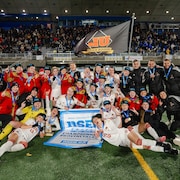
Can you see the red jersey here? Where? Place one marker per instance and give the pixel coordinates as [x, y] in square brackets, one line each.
[5, 102]
[20, 78]
[32, 80]
[134, 103]
[45, 86]
[80, 94]
[66, 81]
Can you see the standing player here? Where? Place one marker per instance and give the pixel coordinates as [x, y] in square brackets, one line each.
[153, 78]
[55, 85]
[137, 76]
[16, 76]
[171, 78]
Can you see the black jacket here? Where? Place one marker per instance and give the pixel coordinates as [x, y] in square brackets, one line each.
[172, 82]
[136, 79]
[155, 84]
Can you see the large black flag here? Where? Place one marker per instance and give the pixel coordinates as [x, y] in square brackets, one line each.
[105, 41]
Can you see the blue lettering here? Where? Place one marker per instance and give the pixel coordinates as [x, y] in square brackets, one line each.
[71, 124]
[80, 123]
[89, 124]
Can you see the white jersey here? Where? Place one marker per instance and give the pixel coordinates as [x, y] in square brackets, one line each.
[88, 78]
[93, 102]
[63, 102]
[55, 87]
[100, 88]
[111, 97]
[112, 116]
[113, 80]
[54, 122]
[49, 120]
[115, 136]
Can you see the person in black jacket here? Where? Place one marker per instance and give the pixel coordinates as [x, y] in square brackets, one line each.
[137, 76]
[125, 80]
[171, 78]
[130, 117]
[170, 104]
[154, 119]
[153, 78]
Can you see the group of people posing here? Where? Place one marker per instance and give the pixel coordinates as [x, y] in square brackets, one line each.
[130, 102]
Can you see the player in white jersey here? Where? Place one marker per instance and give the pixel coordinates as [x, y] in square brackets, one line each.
[109, 94]
[111, 112]
[68, 101]
[112, 78]
[93, 97]
[52, 116]
[21, 136]
[128, 137]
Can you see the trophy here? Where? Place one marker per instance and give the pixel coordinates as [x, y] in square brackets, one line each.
[48, 129]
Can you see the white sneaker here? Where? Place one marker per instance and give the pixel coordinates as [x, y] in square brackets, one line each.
[176, 141]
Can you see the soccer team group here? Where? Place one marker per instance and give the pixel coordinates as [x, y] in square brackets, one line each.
[131, 102]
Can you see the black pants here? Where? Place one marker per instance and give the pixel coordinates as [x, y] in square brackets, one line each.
[5, 119]
[163, 130]
[176, 123]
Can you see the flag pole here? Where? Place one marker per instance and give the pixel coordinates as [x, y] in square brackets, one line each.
[130, 39]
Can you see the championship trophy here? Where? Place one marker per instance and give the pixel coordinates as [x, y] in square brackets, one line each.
[48, 129]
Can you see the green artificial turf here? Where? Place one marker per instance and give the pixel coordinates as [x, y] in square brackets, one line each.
[108, 162]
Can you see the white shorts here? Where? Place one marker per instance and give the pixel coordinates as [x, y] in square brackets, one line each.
[21, 136]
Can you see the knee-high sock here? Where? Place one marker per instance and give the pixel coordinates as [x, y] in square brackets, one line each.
[5, 147]
[6, 131]
[148, 142]
[152, 132]
[17, 147]
[152, 148]
[157, 148]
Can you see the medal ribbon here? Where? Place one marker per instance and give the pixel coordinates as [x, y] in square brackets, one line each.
[152, 71]
[124, 80]
[68, 102]
[126, 114]
[51, 120]
[167, 74]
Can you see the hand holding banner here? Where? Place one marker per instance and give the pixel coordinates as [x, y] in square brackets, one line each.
[77, 131]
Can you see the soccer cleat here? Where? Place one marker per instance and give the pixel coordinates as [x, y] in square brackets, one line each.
[168, 149]
[176, 141]
[164, 144]
[174, 151]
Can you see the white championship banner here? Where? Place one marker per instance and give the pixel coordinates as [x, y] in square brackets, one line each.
[77, 130]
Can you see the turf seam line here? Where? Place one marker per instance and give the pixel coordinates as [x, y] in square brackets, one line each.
[150, 173]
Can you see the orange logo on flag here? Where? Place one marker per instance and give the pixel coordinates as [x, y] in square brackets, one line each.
[99, 43]
[102, 41]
